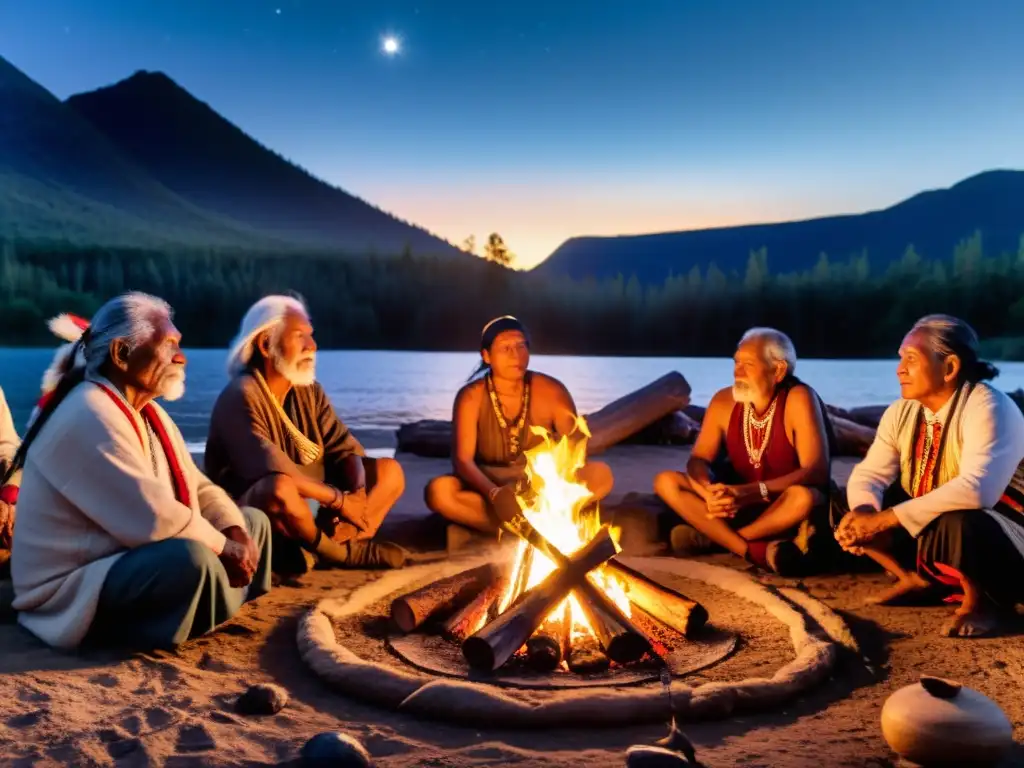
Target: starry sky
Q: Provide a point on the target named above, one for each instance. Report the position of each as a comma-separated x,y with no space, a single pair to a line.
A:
545,119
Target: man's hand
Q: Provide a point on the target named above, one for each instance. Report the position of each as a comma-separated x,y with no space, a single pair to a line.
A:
863,524
725,501
354,509
7,513
504,502
240,556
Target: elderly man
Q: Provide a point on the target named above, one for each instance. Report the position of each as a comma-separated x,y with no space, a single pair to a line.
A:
121,539
772,431
276,442
9,443
944,470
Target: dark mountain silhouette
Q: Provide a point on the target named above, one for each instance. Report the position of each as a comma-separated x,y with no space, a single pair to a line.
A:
194,151
61,179
934,222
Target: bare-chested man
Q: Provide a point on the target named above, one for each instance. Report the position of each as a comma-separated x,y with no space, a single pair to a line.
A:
770,429
491,425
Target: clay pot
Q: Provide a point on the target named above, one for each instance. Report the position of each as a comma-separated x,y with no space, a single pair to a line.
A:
941,723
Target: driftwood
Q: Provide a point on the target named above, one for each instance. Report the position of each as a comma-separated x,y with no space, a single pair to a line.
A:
612,424
630,414
852,439
671,608
411,610
474,615
495,644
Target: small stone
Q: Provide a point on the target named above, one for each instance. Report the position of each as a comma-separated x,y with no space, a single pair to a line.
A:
262,699
332,749
642,756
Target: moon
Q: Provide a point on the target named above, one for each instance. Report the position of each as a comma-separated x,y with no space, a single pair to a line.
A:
390,45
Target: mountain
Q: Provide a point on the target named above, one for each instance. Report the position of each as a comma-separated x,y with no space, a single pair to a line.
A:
195,152
62,180
934,222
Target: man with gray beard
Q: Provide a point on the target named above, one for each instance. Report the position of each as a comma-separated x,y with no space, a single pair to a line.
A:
760,466
276,442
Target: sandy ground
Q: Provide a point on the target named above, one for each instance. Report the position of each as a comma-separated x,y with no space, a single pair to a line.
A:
177,709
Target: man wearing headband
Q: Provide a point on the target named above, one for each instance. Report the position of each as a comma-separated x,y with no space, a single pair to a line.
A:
491,422
939,499
276,442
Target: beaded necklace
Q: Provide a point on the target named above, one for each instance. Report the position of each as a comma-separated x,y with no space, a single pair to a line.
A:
763,424
514,431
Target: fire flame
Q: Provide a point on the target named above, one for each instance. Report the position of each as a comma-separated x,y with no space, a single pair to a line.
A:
557,506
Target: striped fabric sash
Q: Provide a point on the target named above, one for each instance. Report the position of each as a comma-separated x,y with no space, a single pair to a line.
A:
181,492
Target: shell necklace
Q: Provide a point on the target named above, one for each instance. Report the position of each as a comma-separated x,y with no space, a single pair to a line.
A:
514,431
763,425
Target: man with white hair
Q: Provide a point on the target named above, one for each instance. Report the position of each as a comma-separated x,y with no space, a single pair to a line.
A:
276,442
121,539
9,443
772,431
939,499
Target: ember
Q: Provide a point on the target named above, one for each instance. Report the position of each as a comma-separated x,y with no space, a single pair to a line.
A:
565,602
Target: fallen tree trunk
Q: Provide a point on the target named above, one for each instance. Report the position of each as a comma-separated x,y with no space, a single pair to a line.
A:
677,428
673,609
628,415
852,439
411,610
495,644
474,615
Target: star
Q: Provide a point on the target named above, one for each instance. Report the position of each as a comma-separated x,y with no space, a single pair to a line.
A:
277,11
391,45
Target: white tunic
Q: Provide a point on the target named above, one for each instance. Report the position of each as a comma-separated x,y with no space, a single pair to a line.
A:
89,493
984,446
9,441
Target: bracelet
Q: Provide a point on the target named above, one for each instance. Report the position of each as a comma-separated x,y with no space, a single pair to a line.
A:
493,492
764,490
9,494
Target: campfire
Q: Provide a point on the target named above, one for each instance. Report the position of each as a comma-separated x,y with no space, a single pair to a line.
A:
564,602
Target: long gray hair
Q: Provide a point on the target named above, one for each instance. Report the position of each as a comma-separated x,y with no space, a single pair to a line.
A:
133,317
947,335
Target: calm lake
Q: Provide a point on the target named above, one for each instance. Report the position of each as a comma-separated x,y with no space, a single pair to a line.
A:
375,392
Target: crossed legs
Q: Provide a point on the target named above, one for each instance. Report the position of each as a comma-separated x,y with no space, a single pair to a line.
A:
449,497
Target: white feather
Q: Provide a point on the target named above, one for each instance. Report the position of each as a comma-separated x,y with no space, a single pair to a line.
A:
65,328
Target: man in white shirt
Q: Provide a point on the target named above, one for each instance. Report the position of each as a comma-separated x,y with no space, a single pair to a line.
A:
121,539
942,469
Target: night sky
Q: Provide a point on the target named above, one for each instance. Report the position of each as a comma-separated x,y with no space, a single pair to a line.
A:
544,119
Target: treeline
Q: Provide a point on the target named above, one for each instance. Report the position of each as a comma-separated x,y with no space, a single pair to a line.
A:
841,308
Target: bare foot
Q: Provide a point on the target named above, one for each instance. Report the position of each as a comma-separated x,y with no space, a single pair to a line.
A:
910,586
976,623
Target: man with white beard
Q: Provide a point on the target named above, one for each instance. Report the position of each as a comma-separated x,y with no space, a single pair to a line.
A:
121,540
277,443
760,466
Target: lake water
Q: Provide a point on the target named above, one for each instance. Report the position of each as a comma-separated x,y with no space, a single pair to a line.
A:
376,392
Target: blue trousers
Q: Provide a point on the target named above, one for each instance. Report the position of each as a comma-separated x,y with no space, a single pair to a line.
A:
160,595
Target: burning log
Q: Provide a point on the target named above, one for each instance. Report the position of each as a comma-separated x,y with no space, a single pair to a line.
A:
630,414
411,610
493,645
625,643
586,656
467,620
621,640
545,647
666,605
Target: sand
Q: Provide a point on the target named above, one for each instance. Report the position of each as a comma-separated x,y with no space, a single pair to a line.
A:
178,709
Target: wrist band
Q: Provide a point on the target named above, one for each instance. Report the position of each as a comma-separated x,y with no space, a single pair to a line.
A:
493,492
764,490
9,494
